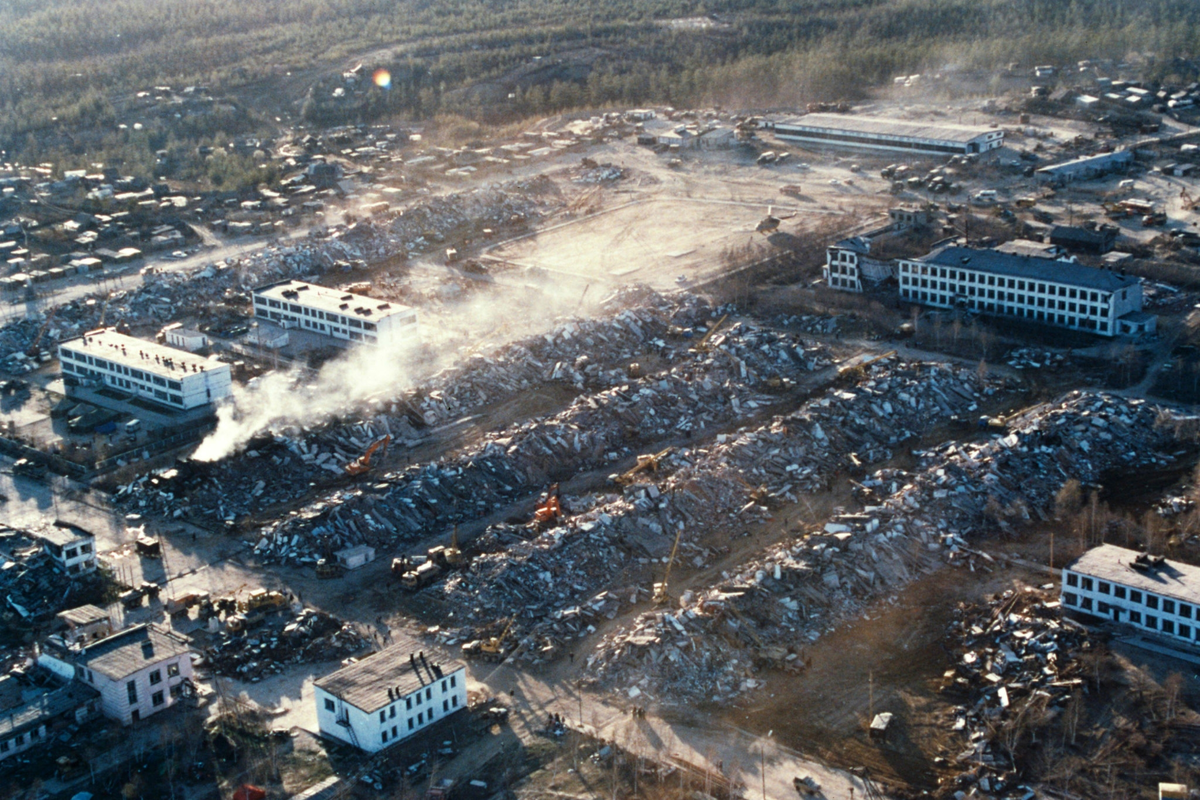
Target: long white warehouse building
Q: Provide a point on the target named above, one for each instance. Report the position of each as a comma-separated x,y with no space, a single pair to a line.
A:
173,378
342,315
872,133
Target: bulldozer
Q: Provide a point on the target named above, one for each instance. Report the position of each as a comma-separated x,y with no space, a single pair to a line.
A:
549,511
262,600
362,465
489,649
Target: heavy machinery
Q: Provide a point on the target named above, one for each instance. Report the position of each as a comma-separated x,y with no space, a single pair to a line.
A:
35,348
770,223
362,465
549,511
262,600
1189,203
854,369
328,568
660,589
447,556
491,648
648,462
703,345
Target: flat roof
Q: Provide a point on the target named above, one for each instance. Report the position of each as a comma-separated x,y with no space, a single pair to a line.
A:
1115,155
323,298
364,684
125,653
135,353
1028,247
1108,562
63,535
890,127
1028,267
45,708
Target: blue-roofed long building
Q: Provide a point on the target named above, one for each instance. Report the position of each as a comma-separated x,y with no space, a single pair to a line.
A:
1043,290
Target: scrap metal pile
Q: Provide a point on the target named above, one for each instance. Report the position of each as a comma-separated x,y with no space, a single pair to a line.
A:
560,582
311,637
729,380
710,647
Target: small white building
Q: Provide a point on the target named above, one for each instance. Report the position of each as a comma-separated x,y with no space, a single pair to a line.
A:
138,672
332,312
85,624
167,376
387,697
188,339
71,547
1147,593
354,557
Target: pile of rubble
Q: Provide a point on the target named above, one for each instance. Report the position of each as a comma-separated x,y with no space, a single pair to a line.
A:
909,523
311,637
733,378
559,582
1014,658
33,587
1033,358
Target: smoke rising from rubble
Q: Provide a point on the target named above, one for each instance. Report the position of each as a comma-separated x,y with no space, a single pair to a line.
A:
283,398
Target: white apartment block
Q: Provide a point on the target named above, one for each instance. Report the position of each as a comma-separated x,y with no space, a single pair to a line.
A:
72,548
138,672
342,315
164,375
387,697
1147,593
1044,290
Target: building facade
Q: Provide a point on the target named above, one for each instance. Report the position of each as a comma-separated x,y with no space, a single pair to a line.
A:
84,624
1085,168
387,697
163,375
1047,291
72,548
843,130
138,672
1147,593
36,722
341,315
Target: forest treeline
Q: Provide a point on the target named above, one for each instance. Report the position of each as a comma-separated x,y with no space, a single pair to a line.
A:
68,58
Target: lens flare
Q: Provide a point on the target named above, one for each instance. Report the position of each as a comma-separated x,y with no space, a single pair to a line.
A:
382,78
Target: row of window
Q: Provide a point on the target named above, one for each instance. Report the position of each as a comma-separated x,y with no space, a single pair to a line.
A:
119,369
20,740
305,311
447,706
985,279
1151,601
843,283
1001,295
1150,621
125,383
976,304
866,138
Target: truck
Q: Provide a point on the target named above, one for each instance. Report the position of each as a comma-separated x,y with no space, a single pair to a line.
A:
29,469
420,577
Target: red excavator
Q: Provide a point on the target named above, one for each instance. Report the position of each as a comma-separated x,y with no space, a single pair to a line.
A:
362,465
549,511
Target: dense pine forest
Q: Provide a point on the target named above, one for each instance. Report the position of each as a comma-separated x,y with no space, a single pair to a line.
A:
68,61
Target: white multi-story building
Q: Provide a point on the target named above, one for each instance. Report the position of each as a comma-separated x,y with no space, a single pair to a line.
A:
848,265
138,672
166,376
1048,291
873,133
71,547
387,697
1145,592
342,315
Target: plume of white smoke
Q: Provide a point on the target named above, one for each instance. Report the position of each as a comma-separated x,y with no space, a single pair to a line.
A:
284,398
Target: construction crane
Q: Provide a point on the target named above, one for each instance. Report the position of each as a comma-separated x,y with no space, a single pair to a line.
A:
35,348
660,589
644,463
702,345
362,465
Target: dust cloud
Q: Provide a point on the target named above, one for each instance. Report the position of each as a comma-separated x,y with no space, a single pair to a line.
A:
294,397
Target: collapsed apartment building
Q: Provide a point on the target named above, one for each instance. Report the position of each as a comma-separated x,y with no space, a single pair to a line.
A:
848,265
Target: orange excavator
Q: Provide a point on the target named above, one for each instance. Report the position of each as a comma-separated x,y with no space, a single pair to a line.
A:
362,465
549,511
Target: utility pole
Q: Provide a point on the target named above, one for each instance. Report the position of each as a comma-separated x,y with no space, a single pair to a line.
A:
762,752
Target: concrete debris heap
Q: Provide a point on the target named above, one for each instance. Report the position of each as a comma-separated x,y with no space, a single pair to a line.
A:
558,584
34,588
693,391
714,644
